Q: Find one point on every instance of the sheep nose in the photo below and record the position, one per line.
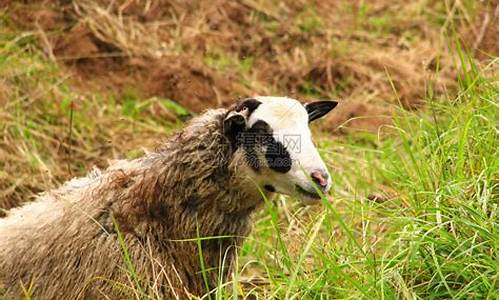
(320, 178)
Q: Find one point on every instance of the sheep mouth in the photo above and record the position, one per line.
(306, 193)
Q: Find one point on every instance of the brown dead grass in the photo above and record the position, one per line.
(307, 49)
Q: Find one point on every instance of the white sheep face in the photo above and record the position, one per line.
(277, 145)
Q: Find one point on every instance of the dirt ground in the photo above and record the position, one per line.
(205, 54)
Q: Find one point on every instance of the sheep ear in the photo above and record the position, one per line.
(236, 119)
(318, 109)
(234, 124)
(237, 116)
(249, 103)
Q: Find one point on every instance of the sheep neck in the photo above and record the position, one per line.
(196, 189)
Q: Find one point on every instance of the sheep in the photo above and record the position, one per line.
(205, 181)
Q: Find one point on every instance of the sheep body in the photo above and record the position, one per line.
(65, 244)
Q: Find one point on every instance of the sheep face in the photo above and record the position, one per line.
(272, 136)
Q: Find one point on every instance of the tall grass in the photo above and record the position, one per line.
(430, 233)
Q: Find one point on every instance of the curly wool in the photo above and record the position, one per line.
(66, 243)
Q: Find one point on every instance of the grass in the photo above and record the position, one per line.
(413, 212)
(434, 235)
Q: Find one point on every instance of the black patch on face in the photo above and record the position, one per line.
(278, 158)
(253, 138)
(261, 135)
(261, 127)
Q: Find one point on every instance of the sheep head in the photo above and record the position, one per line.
(272, 136)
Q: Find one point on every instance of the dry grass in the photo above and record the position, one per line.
(224, 50)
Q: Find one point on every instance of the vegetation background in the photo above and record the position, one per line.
(412, 147)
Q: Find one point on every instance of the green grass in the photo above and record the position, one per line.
(129, 264)
(434, 237)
